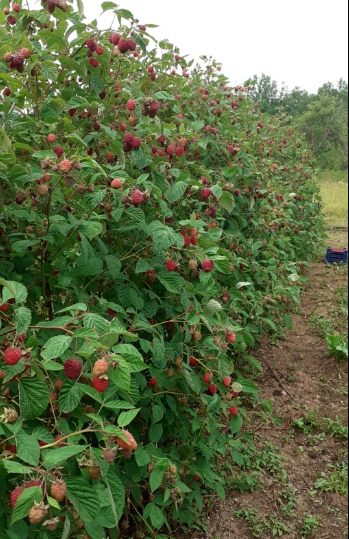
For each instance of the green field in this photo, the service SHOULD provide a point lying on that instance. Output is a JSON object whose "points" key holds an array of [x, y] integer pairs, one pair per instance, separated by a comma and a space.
{"points": [[334, 191]]}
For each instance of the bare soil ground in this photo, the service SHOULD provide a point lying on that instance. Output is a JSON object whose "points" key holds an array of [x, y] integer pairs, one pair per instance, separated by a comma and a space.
{"points": [[310, 387]]}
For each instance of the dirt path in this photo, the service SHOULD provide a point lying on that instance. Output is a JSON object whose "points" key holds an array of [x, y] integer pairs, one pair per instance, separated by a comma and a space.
{"points": [[308, 386]]}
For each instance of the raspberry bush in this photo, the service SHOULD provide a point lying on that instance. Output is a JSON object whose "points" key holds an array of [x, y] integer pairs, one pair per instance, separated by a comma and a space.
{"points": [[153, 226]]}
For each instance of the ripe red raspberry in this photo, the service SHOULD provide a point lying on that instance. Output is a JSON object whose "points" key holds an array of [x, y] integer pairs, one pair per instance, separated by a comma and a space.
{"points": [[123, 127], [18, 58], [193, 362], [207, 378], [15, 494], [142, 28], [237, 192], [16, 8], [153, 382], [131, 105], [114, 38], [171, 265], [206, 193], [123, 46], [100, 384], [100, 368], [72, 368], [234, 411], [90, 43], [179, 151], [128, 147], [154, 109], [117, 183], [7, 92], [208, 265], [110, 157], [12, 356], [4, 307], [11, 20], [136, 143], [128, 138], [162, 139], [136, 54], [232, 338], [227, 381], [95, 62], [131, 45], [51, 138], [171, 149], [137, 197], [65, 166], [194, 241], [58, 491], [131, 445], [99, 50], [213, 389]]}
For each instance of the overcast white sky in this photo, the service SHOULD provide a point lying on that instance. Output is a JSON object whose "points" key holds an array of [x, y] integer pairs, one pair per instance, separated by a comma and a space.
{"points": [[301, 42]]}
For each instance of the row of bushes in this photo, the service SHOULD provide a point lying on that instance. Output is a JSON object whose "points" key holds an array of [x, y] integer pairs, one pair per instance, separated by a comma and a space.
{"points": [[154, 224]]}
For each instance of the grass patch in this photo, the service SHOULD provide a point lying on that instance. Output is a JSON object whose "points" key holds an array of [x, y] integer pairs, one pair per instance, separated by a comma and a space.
{"points": [[334, 191]]}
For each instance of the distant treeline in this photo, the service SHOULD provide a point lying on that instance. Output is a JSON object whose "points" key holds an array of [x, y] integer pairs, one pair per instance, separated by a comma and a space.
{"points": [[322, 116]]}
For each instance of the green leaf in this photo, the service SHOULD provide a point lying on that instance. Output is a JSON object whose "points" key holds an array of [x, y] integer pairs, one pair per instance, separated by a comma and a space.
{"points": [[91, 229], [227, 202], [34, 397], [142, 457], [288, 320], [156, 516], [14, 290], [22, 321], [81, 13], [77, 102], [28, 449], [55, 457], [76, 307], [49, 70], [96, 322], [84, 498], [5, 144], [176, 192], [121, 376], [192, 380], [15, 467], [97, 84], [156, 479], [125, 418], [56, 346], [114, 265], [156, 433], [172, 281], [134, 359], [108, 5], [116, 492], [70, 396], [248, 386], [25, 502], [236, 424]]}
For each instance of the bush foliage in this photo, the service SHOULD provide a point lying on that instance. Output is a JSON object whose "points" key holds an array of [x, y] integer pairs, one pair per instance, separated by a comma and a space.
{"points": [[153, 226]]}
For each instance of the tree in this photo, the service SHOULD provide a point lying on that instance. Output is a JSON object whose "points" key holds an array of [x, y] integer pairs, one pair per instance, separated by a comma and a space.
{"points": [[325, 124], [266, 91]]}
